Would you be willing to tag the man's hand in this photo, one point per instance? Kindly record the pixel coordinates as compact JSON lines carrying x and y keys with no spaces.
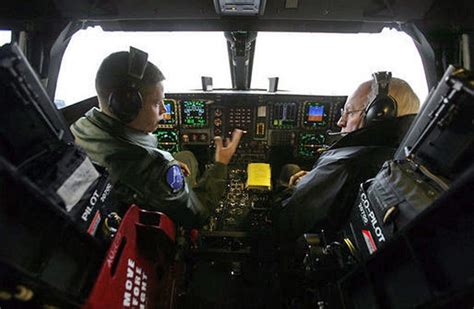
{"x":184,"y":168}
{"x":225,"y":152}
{"x":297,"y":177}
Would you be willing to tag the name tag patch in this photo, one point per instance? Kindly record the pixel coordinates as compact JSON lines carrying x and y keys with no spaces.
{"x":175,"y":178}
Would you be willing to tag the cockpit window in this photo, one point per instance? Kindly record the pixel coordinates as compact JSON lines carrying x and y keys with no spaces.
{"x":309,"y":63}
{"x":183,"y":57}
{"x":5,"y":37}
{"x":334,"y":64}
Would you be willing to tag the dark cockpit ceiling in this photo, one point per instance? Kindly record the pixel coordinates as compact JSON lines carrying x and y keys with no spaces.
{"x":288,"y":15}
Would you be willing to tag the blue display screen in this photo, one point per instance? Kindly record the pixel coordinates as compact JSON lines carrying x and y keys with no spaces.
{"x":315,"y":114}
{"x":169,"y":117}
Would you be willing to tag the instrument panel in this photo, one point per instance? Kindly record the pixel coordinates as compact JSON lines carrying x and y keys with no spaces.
{"x":281,"y":128}
{"x":299,"y":122}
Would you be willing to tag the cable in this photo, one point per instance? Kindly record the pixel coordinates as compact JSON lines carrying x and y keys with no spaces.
{"x":352,"y":248}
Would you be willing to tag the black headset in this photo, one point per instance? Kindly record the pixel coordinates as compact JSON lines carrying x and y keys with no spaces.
{"x":125,"y":102}
{"x":383,"y":106}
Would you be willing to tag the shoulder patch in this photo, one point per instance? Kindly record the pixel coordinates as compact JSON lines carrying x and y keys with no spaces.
{"x":175,"y":178}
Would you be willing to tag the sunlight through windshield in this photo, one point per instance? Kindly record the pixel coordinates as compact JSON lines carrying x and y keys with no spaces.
{"x":307,"y":63}
{"x":183,"y":57}
{"x":5,"y":37}
{"x":334,"y":64}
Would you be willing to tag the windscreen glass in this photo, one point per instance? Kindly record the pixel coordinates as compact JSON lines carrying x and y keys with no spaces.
{"x":308,"y":63}
{"x":333,"y":63}
{"x":183,"y":57}
{"x":5,"y":37}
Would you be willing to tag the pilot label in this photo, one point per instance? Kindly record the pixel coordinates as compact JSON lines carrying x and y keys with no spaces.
{"x":88,"y":210}
{"x":106,"y":192}
{"x":135,"y":287}
{"x":368,"y":214}
{"x":362,"y":214}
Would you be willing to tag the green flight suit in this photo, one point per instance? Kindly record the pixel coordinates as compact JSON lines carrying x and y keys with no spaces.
{"x":143,"y":174}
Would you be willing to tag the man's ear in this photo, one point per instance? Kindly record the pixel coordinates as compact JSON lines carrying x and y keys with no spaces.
{"x":103,"y":105}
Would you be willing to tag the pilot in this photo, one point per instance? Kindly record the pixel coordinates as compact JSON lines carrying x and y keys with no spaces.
{"x":118,"y":137}
{"x":373,"y":121}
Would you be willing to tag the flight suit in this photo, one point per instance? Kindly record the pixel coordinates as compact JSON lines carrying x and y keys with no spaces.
{"x":323,"y":198}
{"x":143,"y":174}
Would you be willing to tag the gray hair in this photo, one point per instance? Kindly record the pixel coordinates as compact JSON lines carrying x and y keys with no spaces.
{"x":400,"y":90}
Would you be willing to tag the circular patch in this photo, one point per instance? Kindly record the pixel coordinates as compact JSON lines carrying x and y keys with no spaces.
{"x":175,"y":178}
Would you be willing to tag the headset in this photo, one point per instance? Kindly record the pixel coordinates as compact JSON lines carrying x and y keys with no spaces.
{"x":125,"y":102}
{"x":383,"y":106}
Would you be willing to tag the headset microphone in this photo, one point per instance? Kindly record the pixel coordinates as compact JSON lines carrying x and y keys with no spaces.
{"x":331,"y":133}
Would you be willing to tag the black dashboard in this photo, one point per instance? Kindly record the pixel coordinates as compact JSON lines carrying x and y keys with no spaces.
{"x":281,"y":128}
{"x":298,"y":123}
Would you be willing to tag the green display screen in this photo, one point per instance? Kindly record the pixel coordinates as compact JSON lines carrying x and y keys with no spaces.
{"x":309,"y":143}
{"x":167,"y":140}
{"x":194,"y":113}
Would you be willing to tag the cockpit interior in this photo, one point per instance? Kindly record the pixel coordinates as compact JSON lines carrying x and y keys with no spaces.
{"x":258,"y":66}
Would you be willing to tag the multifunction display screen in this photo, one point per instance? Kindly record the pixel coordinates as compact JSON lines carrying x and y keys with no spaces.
{"x":284,"y":115}
{"x":194,"y":113}
{"x":169,"y":117}
{"x":167,"y":140}
{"x":315,"y":114}
{"x":309,"y":143}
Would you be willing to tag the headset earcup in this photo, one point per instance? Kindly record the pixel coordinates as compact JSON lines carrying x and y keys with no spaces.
{"x":382,"y":108}
{"x":125,"y":103}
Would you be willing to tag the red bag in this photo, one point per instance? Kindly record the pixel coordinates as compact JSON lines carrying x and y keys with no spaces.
{"x":135,"y":269}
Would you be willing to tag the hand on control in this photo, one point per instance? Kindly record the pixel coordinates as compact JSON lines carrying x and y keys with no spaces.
{"x":225,"y":152}
{"x":184,"y":168}
{"x":297,"y":177}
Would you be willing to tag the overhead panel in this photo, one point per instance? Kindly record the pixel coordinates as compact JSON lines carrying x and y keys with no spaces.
{"x":239,"y":7}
